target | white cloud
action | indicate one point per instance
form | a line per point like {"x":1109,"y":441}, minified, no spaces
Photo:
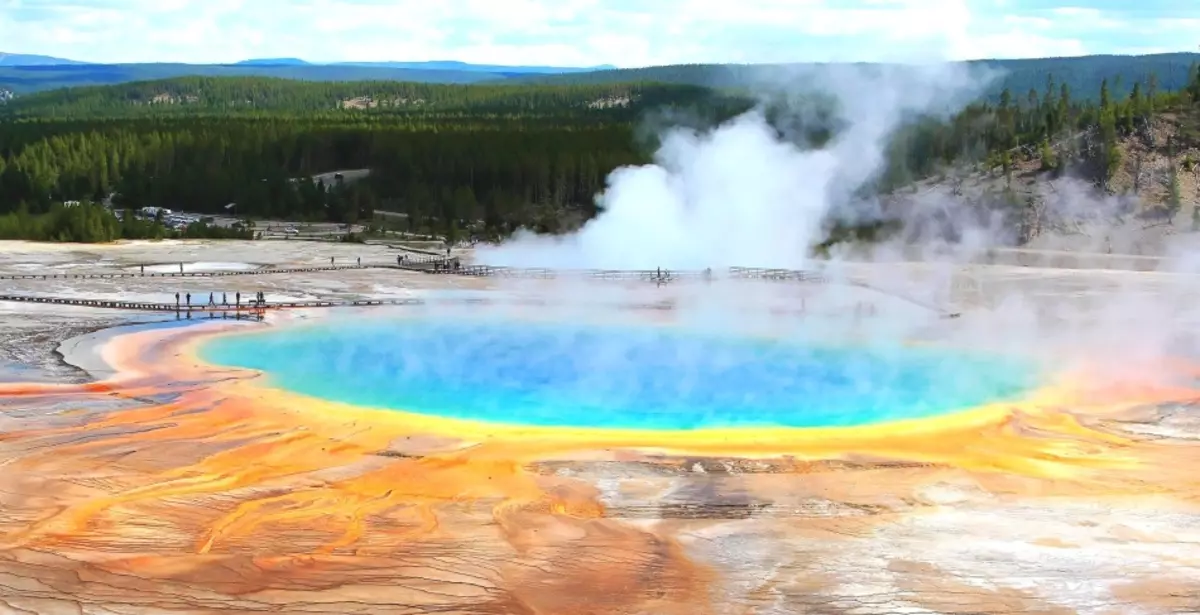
{"x":1089,"y":18}
{"x":563,"y":32}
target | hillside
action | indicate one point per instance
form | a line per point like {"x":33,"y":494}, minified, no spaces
{"x":496,"y":69}
{"x":440,"y":65}
{"x":272,"y":62}
{"x":489,"y":159}
{"x":1171,"y":71}
{"x":1125,"y":196}
{"x":25,"y":59}
{"x":27,"y":74}
{"x":28,"y":79}
{"x":1082,"y":74}
{"x":190,"y":96}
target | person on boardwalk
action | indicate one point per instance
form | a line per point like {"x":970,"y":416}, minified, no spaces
{"x":330,"y":261}
{"x":211,"y":300}
{"x":143,"y":270}
{"x":224,"y":299}
{"x":177,"y":301}
{"x":189,"y":299}
{"x":180,"y":267}
{"x":237,"y":297}
{"x":360,"y":261}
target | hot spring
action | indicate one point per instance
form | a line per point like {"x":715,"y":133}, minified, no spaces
{"x":624,"y":377}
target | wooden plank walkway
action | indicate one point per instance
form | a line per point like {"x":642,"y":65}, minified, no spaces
{"x":648,"y":275}
{"x":542,"y":273}
{"x":439,"y":265}
{"x":792,"y":275}
{"x":245,"y":307}
{"x":443,"y":266}
{"x":666,"y":276}
{"x":419,"y":263}
{"x":185,"y":274}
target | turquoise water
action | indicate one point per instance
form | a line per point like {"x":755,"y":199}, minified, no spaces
{"x":625,"y":377}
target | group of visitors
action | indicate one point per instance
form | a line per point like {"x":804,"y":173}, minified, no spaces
{"x":260,"y":299}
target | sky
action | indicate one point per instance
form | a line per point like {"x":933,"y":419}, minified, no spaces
{"x":625,"y":33}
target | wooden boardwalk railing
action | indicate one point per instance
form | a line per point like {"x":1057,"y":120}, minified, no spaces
{"x":449,"y":266}
{"x":148,"y":306}
{"x":648,"y":275}
{"x":439,"y":265}
{"x":665,"y":276}
{"x":260,"y":308}
{"x":182,"y":274}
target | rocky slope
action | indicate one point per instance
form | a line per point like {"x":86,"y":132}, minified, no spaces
{"x":1150,"y":197}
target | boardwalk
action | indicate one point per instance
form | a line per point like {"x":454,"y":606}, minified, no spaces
{"x":259,"y":309}
{"x":434,"y":265}
{"x":145,"y":306}
{"x":182,"y":274}
{"x":666,"y":276}
{"x":442,"y":265}
{"x":429,"y":264}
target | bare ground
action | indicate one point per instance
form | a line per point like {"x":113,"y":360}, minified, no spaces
{"x":688,"y":534}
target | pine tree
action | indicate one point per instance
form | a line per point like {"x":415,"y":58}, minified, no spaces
{"x":1175,"y":197}
{"x":1049,"y":162}
{"x":1064,"y":105}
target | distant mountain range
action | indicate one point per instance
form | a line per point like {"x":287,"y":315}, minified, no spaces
{"x":27,"y":73}
{"x":24,"y":59}
{"x":273,"y":62}
{"x":1082,"y":75}
{"x":22,"y":73}
{"x":441,"y":65}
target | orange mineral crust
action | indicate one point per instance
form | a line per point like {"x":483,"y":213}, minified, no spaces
{"x":181,"y":487}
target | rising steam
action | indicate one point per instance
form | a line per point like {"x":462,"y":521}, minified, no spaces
{"x":750,"y":193}
{"x":743,"y":193}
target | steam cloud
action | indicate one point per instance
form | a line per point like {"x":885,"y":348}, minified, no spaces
{"x":742,"y":195}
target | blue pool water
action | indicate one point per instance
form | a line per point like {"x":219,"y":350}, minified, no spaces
{"x":624,"y":377}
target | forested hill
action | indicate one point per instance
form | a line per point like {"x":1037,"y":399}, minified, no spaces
{"x":1081,"y":74}
{"x":487,"y":160}
{"x":192,"y":96}
{"x":28,"y":79}
{"x":1169,"y":71}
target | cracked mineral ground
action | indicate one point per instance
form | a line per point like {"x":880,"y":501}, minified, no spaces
{"x":136,"y":480}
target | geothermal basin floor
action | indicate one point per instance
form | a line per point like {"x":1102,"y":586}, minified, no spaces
{"x":172,"y":495}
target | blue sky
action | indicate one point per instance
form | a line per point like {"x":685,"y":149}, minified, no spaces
{"x":590,"y":32}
